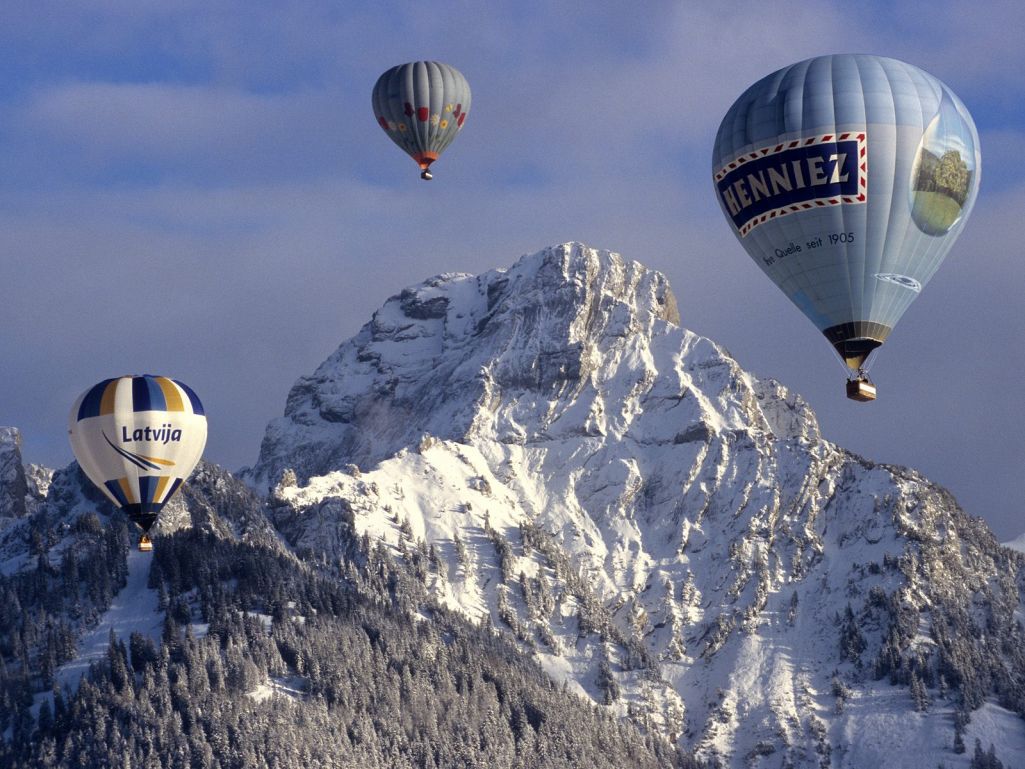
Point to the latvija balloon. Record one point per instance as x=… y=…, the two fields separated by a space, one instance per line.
x=137 y=438
x=847 y=179
x=422 y=106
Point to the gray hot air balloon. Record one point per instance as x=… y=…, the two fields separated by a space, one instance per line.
x=422 y=105
x=847 y=178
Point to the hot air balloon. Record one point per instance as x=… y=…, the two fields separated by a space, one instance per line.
x=422 y=105
x=138 y=438
x=847 y=179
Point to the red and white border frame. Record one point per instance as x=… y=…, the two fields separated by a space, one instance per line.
x=861 y=197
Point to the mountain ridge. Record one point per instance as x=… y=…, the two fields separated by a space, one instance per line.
x=552 y=431
x=546 y=452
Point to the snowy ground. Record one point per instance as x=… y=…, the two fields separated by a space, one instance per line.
x=993 y=725
x=1018 y=543
x=286 y=686
x=133 y=610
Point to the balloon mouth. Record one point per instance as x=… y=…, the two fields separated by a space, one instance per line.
x=424 y=160
x=855 y=341
x=142 y=517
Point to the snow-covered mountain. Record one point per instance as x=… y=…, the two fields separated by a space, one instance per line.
x=222 y=648
x=22 y=486
x=1018 y=543
x=666 y=533
x=544 y=451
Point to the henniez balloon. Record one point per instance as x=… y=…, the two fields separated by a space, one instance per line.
x=847 y=179
x=138 y=438
x=422 y=106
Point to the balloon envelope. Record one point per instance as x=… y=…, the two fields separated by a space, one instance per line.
x=422 y=105
x=138 y=438
x=847 y=179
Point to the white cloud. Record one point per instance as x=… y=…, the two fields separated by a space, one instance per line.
x=193 y=130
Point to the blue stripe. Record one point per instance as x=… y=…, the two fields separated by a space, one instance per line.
x=91 y=402
x=133 y=458
x=147 y=488
x=174 y=488
x=147 y=395
x=156 y=395
x=140 y=394
x=115 y=488
x=197 y=407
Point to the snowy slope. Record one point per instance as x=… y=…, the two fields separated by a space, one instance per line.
x=1018 y=543
x=134 y=610
x=665 y=532
x=70 y=522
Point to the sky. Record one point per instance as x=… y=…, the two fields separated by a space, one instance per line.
x=200 y=189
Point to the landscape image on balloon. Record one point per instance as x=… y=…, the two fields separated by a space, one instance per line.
x=943 y=172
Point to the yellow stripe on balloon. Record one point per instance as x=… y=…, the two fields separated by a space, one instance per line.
x=126 y=488
x=172 y=395
x=158 y=460
x=158 y=495
x=107 y=401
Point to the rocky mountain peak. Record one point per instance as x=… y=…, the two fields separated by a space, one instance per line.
x=565 y=342
x=662 y=530
x=549 y=454
x=14 y=488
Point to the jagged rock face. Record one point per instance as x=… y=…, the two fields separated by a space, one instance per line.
x=14 y=488
x=38 y=479
x=664 y=531
x=585 y=400
x=215 y=501
x=444 y=358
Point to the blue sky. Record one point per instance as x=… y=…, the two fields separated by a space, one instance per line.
x=200 y=189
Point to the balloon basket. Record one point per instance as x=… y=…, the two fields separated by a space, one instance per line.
x=861 y=390
x=426 y=175
x=145 y=544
